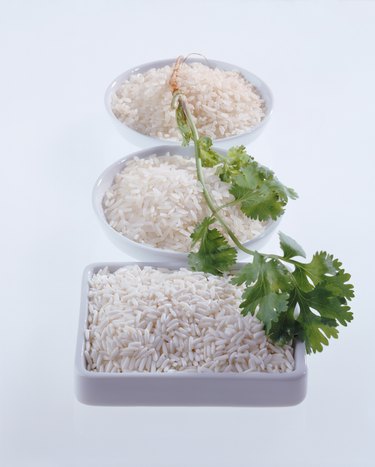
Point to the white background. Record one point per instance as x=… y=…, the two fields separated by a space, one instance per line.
x=56 y=60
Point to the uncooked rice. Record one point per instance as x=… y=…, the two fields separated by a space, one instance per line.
x=157 y=320
x=223 y=103
x=158 y=201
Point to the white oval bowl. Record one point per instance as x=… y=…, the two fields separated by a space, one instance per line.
x=143 y=251
x=142 y=140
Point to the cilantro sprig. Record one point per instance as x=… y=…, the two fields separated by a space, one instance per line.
x=307 y=302
x=214 y=252
x=294 y=299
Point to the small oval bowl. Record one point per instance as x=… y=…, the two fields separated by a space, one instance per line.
x=141 y=140
x=147 y=252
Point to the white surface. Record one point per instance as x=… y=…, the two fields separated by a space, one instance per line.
x=56 y=138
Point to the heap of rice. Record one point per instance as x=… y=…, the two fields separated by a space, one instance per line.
x=223 y=102
x=158 y=201
x=154 y=320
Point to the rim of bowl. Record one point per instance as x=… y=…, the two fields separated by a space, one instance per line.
x=248 y=75
x=144 y=153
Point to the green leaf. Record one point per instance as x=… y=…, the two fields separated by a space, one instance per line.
x=238 y=156
x=209 y=157
x=236 y=159
x=308 y=304
x=266 y=294
x=249 y=273
x=268 y=270
x=338 y=284
x=266 y=305
x=321 y=265
x=328 y=305
x=286 y=328
x=261 y=195
x=321 y=291
x=316 y=331
x=183 y=126
x=290 y=247
x=215 y=255
x=200 y=230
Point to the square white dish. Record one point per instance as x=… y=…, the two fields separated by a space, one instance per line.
x=182 y=389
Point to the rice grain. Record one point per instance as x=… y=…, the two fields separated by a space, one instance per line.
x=166 y=217
x=139 y=341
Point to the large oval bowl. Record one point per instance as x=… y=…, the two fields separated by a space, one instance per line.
x=142 y=140
x=143 y=251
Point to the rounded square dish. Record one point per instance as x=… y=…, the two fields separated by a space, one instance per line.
x=254 y=389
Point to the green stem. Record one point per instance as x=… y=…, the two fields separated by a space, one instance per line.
x=229 y=204
x=206 y=193
x=207 y=196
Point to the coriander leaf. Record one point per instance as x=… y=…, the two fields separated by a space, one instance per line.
x=321 y=291
x=201 y=230
x=284 y=192
x=261 y=195
x=286 y=328
x=329 y=305
x=183 y=125
x=314 y=328
x=308 y=303
x=248 y=274
x=266 y=305
x=209 y=157
x=338 y=284
x=236 y=158
x=266 y=294
x=321 y=265
x=214 y=255
x=269 y=271
x=315 y=332
x=290 y=247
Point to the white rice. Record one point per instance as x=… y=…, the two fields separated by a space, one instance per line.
x=223 y=103
x=158 y=201
x=155 y=320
